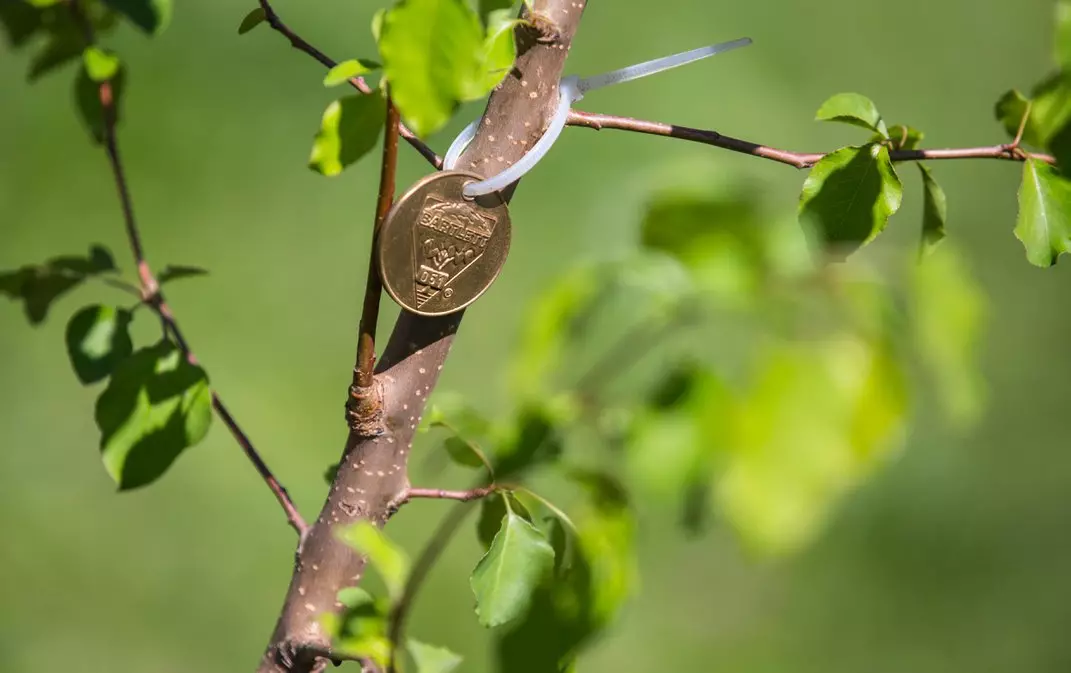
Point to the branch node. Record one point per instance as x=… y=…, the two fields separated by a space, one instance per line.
x=364 y=410
x=542 y=28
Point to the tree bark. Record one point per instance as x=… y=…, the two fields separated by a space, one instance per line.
x=372 y=475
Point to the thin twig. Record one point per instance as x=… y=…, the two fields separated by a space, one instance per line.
x=1022 y=124
x=299 y=43
x=366 y=345
x=150 y=288
x=598 y=122
x=438 y=493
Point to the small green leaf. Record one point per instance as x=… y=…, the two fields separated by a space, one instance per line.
x=156 y=406
x=499 y=53
x=854 y=109
x=934 y=213
x=1010 y=110
x=850 y=195
x=465 y=454
x=98 y=339
x=535 y=439
x=1044 y=224
x=388 y=559
x=433 y=52
x=432 y=659
x=151 y=16
x=252 y=20
x=361 y=630
x=62 y=48
x=492 y=515
x=346 y=70
x=100 y=65
x=179 y=271
x=350 y=129
x=377 y=23
x=905 y=137
x=37 y=286
x=505 y=578
x=88 y=99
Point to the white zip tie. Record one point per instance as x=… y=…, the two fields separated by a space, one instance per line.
x=570 y=90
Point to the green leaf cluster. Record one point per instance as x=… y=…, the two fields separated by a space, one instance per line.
x=156 y=403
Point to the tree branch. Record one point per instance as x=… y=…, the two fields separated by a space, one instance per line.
x=150 y=288
x=372 y=475
x=593 y=120
x=438 y=493
x=297 y=42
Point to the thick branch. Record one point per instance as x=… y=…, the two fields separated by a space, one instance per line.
x=150 y=288
x=371 y=479
x=297 y=42
x=592 y=120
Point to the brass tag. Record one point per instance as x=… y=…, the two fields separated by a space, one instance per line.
x=439 y=251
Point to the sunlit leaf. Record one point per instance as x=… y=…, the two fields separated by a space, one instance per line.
x=507 y=575
x=98 y=340
x=156 y=406
x=253 y=19
x=431 y=49
x=151 y=16
x=850 y=195
x=906 y=137
x=1044 y=223
x=493 y=8
x=38 y=286
x=349 y=129
x=361 y=629
x=855 y=109
x=432 y=659
x=387 y=558
x=100 y=65
x=347 y=70
x=934 y=212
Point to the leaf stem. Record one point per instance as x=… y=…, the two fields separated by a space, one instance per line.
x=150 y=288
x=599 y=122
x=299 y=43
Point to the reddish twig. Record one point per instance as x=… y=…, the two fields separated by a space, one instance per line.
x=438 y=493
x=598 y=122
x=150 y=288
x=299 y=43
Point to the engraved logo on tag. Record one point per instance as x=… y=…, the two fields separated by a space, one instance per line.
x=450 y=237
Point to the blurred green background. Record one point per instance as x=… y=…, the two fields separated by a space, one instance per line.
x=953 y=559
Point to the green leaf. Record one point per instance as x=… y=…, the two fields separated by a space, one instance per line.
x=156 y=405
x=349 y=129
x=493 y=513
x=905 y=137
x=346 y=70
x=253 y=19
x=432 y=659
x=361 y=630
x=535 y=439
x=179 y=271
x=62 y=48
x=377 y=23
x=151 y=16
x=1010 y=110
x=98 y=339
x=388 y=559
x=19 y=22
x=850 y=195
x=934 y=212
x=465 y=454
x=87 y=97
x=499 y=53
x=38 y=286
x=949 y=310
x=433 y=54
x=100 y=65
x=506 y=576
x=854 y=109
x=1044 y=223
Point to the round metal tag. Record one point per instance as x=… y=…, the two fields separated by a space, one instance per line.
x=438 y=251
